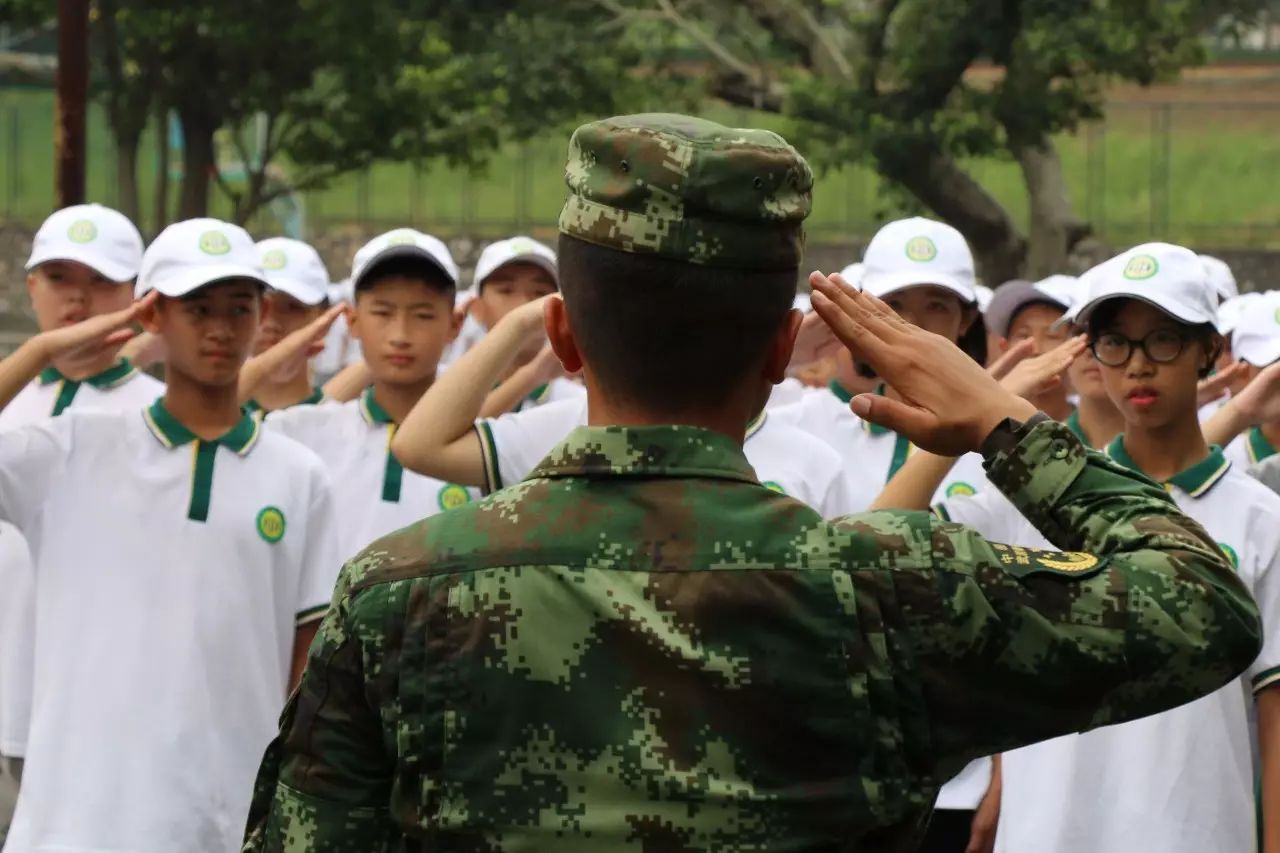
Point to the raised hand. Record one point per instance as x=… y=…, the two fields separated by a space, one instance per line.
x=87 y=341
x=1216 y=386
x=1259 y=402
x=814 y=342
x=291 y=353
x=1012 y=357
x=1043 y=372
x=947 y=403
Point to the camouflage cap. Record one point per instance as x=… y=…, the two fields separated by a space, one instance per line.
x=688 y=189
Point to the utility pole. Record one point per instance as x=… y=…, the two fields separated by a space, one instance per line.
x=72 y=84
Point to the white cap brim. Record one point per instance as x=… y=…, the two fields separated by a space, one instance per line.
x=190 y=280
x=882 y=284
x=1174 y=308
x=299 y=291
x=104 y=266
x=537 y=260
x=401 y=251
x=1257 y=351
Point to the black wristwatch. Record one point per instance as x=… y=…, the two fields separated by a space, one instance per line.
x=1008 y=434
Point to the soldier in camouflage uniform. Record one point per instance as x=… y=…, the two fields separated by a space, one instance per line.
x=642 y=648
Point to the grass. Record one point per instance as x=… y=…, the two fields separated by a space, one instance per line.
x=1194 y=173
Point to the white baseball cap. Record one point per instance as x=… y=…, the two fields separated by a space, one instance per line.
x=918 y=251
x=1230 y=311
x=188 y=255
x=1061 y=289
x=294 y=268
x=983 y=295
x=402 y=243
x=515 y=249
x=98 y=237
x=1256 y=338
x=853 y=273
x=1169 y=277
x=1221 y=277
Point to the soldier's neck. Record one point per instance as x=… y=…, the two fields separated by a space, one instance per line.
x=728 y=420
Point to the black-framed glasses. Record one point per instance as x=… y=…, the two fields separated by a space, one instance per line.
x=1161 y=346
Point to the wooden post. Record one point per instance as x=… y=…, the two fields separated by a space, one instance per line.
x=72 y=84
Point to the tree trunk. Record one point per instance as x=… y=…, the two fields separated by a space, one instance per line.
x=197 y=164
x=127 y=175
x=941 y=185
x=1055 y=229
x=160 y=204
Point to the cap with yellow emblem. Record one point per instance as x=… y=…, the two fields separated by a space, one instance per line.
x=915 y=252
x=98 y=237
x=195 y=253
x=1166 y=276
x=293 y=267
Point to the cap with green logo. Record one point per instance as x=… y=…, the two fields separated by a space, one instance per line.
x=1256 y=337
x=515 y=250
x=194 y=253
x=97 y=237
x=1169 y=277
x=688 y=189
x=294 y=268
x=918 y=252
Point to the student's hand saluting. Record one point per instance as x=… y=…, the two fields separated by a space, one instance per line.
x=88 y=340
x=1043 y=372
x=949 y=404
x=291 y=353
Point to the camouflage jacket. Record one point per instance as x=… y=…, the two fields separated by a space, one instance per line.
x=641 y=648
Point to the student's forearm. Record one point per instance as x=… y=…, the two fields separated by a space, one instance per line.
x=916 y=482
x=1227 y=423
x=447 y=412
x=348 y=382
x=510 y=392
x=19 y=369
x=1269 y=747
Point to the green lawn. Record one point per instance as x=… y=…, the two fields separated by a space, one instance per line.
x=1196 y=174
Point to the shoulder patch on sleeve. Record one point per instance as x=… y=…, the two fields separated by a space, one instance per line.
x=1021 y=562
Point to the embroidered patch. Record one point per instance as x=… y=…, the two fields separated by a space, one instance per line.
x=82 y=231
x=402 y=237
x=1141 y=267
x=214 y=243
x=276 y=259
x=921 y=249
x=774 y=487
x=453 y=496
x=960 y=488
x=1021 y=562
x=271 y=524
x=1232 y=556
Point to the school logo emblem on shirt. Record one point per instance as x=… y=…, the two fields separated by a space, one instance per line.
x=1141 y=267
x=774 y=487
x=960 y=488
x=271 y=524
x=214 y=243
x=453 y=496
x=1232 y=556
x=921 y=249
x=82 y=231
x=275 y=260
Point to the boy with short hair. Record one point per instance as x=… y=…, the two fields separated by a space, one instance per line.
x=192 y=553
x=297 y=293
x=1182 y=780
x=404 y=283
x=1023 y=310
x=83 y=263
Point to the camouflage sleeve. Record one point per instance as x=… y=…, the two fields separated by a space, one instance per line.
x=1014 y=645
x=325 y=782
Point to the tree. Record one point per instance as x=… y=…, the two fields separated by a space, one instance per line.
x=891 y=83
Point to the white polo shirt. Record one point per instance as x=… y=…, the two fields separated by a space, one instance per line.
x=1177 y=782
x=119 y=388
x=871 y=454
x=786 y=459
x=374 y=495
x=171 y=576
x=1249 y=449
x=556 y=391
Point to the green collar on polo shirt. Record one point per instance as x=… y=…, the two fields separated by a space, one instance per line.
x=316 y=396
x=117 y=374
x=170 y=432
x=1073 y=424
x=1259 y=447
x=1196 y=481
x=393 y=472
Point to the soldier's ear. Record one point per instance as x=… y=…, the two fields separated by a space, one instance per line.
x=778 y=356
x=560 y=334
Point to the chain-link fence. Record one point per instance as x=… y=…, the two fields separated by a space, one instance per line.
x=1192 y=172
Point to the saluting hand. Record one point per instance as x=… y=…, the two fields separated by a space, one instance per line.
x=949 y=404
x=88 y=340
x=1043 y=372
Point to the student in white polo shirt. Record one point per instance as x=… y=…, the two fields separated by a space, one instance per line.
x=443 y=438
x=1182 y=780
x=924 y=271
x=298 y=292
x=183 y=557
x=403 y=317
x=83 y=263
x=1024 y=310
